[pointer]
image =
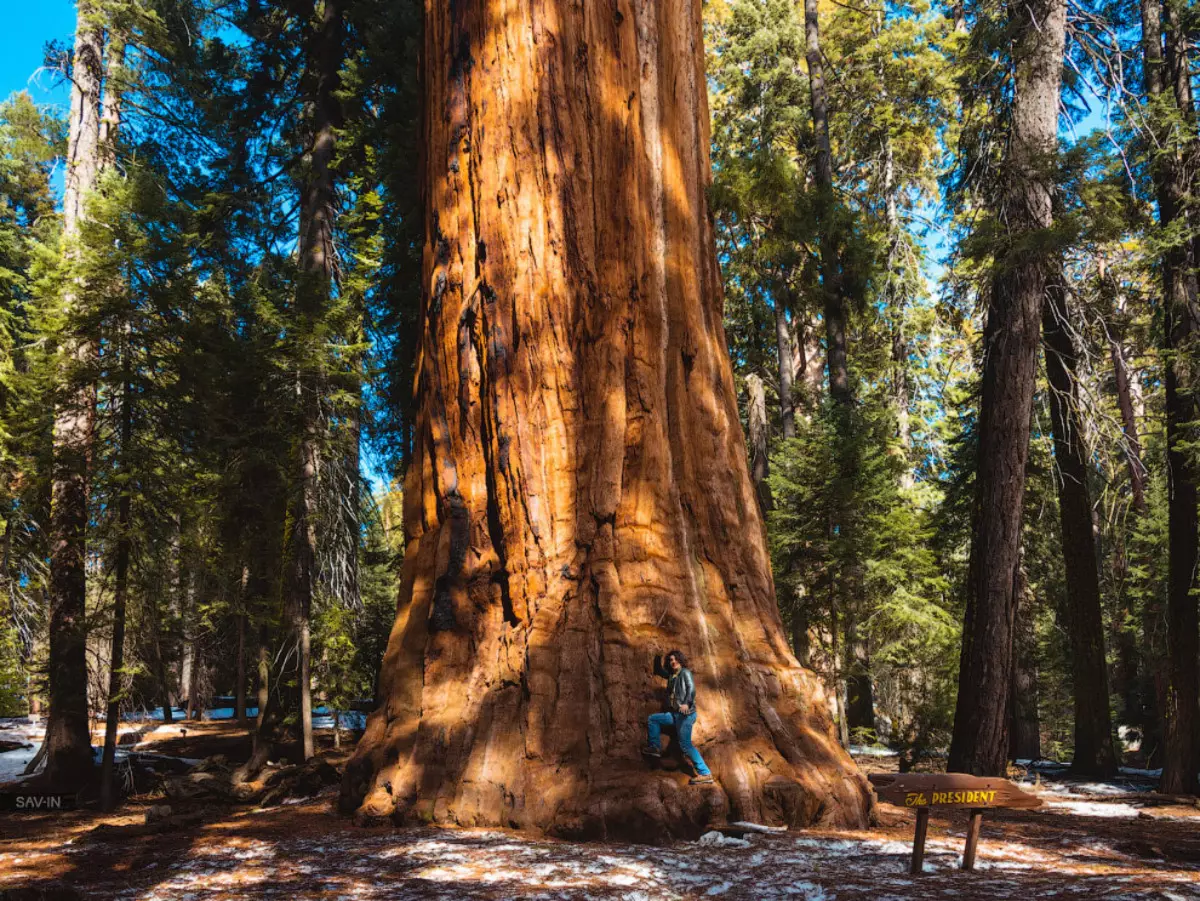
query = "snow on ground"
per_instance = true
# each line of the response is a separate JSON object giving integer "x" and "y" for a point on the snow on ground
{"x": 322, "y": 716}
{"x": 28, "y": 732}
{"x": 306, "y": 852}
{"x": 872, "y": 751}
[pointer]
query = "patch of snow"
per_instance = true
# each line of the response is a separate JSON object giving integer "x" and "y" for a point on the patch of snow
{"x": 755, "y": 827}
{"x": 1094, "y": 809}
{"x": 872, "y": 751}
{"x": 717, "y": 838}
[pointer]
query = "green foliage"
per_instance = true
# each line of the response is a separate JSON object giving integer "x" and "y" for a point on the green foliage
{"x": 879, "y": 566}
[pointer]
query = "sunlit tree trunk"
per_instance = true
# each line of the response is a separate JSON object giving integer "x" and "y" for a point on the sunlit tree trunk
{"x": 759, "y": 451}
{"x": 787, "y": 375}
{"x": 1011, "y": 339}
{"x": 579, "y": 497}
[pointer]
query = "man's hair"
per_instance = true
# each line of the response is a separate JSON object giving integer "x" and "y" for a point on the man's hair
{"x": 678, "y": 655}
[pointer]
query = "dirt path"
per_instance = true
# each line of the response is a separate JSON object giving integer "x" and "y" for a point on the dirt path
{"x": 1077, "y": 847}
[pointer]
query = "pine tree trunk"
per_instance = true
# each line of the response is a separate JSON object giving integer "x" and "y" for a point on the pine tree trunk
{"x": 579, "y": 497}
{"x": 67, "y": 743}
{"x": 760, "y": 466}
{"x": 1094, "y": 754}
{"x": 783, "y": 347}
{"x": 1025, "y": 737}
{"x": 828, "y": 239}
{"x": 1180, "y": 764}
{"x": 1011, "y": 339}
{"x": 1129, "y": 426}
{"x": 120, "y": 592}
{"x": 1127, "y": 681}
{"x": 239, "y": 701}
{"x": 316, "y": 254}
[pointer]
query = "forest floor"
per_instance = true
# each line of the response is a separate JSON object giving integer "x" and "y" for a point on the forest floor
{"x": 1093, "y": 840}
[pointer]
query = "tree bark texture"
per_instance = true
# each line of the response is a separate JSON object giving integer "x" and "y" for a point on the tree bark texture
{"x": 830, "y": 250}
{"x": 316, "y": 254}
{"x": 787, "y": 371}
{"x": 1025, "y": 736}
{"x": 108, "y": 788}
{"x": 1182, "y": 750}
{"x": 579, "y": 497}
{"x": 1094, "y": 755}
{"x": 1011, "y": 338}
{"x": 68, "y": 742}
{"x": 1134, "y": 706}
{"x": 760, "y": 466}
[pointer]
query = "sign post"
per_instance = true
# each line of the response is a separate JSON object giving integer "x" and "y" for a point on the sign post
{"x": 922, "y": 792}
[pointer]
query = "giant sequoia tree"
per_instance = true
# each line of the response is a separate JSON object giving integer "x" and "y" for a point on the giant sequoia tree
{"x": 578, "y": 497}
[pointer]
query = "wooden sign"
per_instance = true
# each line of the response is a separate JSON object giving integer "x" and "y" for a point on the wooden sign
{"x": 923, "y": 791}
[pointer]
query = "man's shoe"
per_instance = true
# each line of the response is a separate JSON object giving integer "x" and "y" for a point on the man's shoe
{"x": 651, "y": 751}
{"x": 701, "y": 780}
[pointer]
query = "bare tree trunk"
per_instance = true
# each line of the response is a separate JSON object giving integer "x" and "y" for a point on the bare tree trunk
{"x": 1129, "y": 426}
{"x": 316, "y": 254}
{"x": 829, "y": 240}
{"x": 579, "y": 497}
{"x": 67, "y": 743}
{"x": 1127, "y": 676}
{"x": 263, "y": 691}
{"x": 1011, "y": 339}
{"x": 760, "y": 465}
{"x": 783, "y": 346}
{"x": 809, "y": 368}
{"x": 1163, "y": 76}
{"x": 239, "y": 701}
{"x": 112, "y": 719}
{"x": 1094, "y": 754}
{"x": 1025, "y": 737}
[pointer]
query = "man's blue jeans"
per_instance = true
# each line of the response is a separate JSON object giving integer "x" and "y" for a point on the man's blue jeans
{"x": 683, "y": 734}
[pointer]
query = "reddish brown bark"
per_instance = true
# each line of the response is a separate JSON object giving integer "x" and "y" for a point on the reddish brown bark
{"x": 579, "y": 497}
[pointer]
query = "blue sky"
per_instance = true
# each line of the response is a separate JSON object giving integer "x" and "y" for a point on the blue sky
{"x": 28, "y": 25}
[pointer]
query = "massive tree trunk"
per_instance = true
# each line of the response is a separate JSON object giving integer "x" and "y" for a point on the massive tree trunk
{"x": 316, "y": 255}
{"x": 1162, "y": 75}
{"x": 579, "y": 498}
{"x": 67, "y": 743}
{"x": 980, "y": 739}
{"x": 1094, "y": 754}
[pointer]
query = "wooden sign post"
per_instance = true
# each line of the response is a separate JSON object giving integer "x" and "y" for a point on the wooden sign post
{"x": 922, "y": 792}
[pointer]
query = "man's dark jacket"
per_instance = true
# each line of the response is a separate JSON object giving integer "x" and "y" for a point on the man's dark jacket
{"x": 681, "y": 687}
